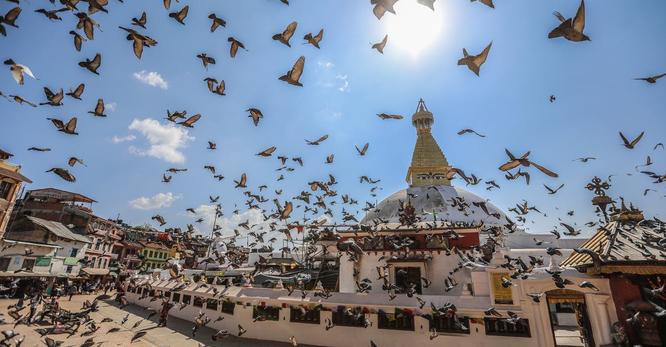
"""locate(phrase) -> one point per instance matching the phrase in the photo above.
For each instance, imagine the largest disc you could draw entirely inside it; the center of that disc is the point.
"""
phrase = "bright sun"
(414, 27)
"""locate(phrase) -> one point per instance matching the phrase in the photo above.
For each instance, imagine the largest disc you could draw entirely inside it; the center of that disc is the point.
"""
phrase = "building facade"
(154, 254)
(11, 181)
(418, 270)
(64, 259)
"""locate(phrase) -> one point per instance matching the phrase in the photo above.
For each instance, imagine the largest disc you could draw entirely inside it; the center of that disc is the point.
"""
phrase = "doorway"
(569, 320)
(407, 276)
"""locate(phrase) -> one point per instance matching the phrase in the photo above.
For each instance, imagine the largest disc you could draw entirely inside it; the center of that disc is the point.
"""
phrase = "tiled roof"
(625, 243)
(61, 194)
(58, 229)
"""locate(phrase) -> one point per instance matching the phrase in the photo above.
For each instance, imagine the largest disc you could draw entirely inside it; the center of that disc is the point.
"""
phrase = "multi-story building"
(100, 255)
(37, 236)
(10, 185)
(155, 254)
(75, 210)
(128, 258)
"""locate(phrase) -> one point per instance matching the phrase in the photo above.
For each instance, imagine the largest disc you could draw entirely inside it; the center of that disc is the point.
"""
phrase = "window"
(406, 277)
(74, 252)
(150, 254)
(152, 292)
(4, 263)
(198, 301)
(349, 318)
(69, 269)
(211, 304)
(28, 264)
(175, 297)
(298, 315)
(501, 327)
(187, 299)
(446, 324)
(228, 307)
(395, 321)
(262, 313)
(565, 307)
(5, 188)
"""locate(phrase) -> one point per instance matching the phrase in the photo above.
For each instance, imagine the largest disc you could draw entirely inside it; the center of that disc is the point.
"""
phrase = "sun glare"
(414, 27)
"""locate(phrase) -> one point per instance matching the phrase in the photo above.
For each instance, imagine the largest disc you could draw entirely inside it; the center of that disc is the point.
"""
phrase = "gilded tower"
(429, 165)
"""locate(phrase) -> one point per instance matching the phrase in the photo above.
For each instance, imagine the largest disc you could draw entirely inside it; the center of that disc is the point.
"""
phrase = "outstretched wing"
(544, 170)
(26, 70)
(297, 70)
(481, 58)
(579, 20)
(289, 31)
(138, 47)
(635, 141)
(509, 165)
(71, 125)
(57, 122)
(234, 48)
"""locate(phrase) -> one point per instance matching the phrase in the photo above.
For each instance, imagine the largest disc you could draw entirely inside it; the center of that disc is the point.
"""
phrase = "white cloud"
(325, 64)
(345, 83)
(159, 200)
(165, 141)
(228, 223)
(330, 78)
(111, 106)
(151, 78)
(329, 114)
(116, 139)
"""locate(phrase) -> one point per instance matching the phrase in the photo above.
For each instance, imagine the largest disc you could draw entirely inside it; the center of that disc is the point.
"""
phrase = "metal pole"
(212, 230)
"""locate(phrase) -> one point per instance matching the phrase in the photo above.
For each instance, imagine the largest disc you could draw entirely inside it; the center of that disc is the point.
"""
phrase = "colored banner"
(43, 261)
(71, 261)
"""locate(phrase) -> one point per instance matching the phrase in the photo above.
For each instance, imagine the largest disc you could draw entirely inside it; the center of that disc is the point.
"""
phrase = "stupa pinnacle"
(429, 165)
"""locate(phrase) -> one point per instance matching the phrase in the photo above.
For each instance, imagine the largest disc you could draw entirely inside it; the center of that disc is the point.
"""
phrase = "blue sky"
(345, 85)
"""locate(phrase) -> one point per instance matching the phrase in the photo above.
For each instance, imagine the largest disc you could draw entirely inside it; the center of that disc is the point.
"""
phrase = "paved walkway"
(178, 332)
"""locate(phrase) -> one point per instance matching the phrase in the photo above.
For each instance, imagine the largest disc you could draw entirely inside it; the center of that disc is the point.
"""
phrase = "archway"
(569, 319)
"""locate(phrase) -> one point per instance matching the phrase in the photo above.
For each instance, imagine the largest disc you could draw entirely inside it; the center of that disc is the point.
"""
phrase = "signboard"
(71, 261)
(502, 296)
(43, 261)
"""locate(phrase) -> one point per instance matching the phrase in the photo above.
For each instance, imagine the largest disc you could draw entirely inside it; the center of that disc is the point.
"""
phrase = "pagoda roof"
(624, 246)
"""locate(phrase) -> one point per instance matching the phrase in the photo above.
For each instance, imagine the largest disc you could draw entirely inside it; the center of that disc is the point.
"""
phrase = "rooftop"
(631, 244)
(61, 195)
(13, 174)
(58, 229)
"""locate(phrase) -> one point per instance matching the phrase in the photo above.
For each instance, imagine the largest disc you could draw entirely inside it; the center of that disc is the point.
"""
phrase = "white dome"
(436, 201)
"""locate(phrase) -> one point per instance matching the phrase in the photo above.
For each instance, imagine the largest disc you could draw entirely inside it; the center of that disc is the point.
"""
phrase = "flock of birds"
(315, 204)
(318, 199)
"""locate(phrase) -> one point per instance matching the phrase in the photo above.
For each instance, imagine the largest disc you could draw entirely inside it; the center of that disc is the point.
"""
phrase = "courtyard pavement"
(177, 333)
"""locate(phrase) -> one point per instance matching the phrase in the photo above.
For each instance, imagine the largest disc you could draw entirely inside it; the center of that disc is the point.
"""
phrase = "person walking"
(164, 313)
(71, 290)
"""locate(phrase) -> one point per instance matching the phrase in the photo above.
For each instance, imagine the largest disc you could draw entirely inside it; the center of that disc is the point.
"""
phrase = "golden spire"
(429, 166)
